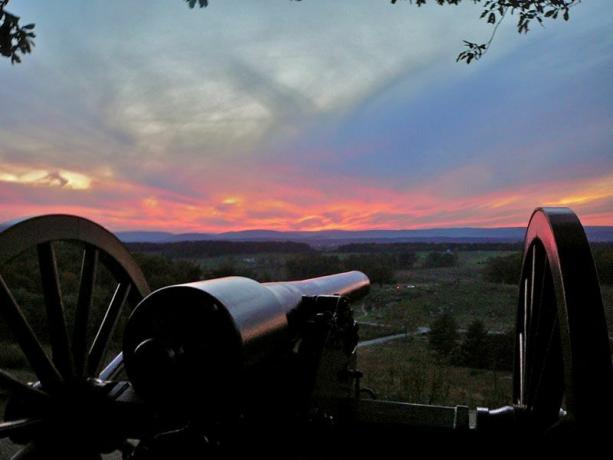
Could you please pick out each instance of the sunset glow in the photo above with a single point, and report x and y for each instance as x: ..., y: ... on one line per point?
x: 303, y: 117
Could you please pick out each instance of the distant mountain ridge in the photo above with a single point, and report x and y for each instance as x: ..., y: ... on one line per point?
x: 336, y: 237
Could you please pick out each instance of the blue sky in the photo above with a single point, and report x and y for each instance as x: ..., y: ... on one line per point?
x: 304, y: 115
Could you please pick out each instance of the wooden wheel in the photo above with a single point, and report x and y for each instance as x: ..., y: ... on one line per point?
x: 74, y: 374
x: 562, y: 371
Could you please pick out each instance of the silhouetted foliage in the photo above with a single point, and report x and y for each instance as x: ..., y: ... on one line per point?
x: 503, y: 269
x: 201, y: 249
x: 427, y: 246
x: 15, y: 39
x: 440, y: 259
x: 201, y: 3
x: 494, y: 12
x: 309, y: 266
x: 161, y: 271
x: 480, y: 349
x: 22, y: 275
x: 603, y: 258
x: 473, y: 350
x: 506, y: 269
x: 443, y: 335
x: 500, y: 349
x: 406, y: 260
x: 379, y: 268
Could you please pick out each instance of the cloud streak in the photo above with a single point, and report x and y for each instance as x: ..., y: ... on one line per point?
x: 304, y: 116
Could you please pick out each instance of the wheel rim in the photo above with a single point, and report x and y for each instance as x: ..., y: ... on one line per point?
x: 562, y: 357
x: 76, y: 361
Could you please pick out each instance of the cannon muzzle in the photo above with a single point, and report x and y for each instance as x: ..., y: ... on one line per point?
x: 196, y: 342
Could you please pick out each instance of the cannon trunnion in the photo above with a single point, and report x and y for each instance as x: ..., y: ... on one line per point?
x: 231, y: 367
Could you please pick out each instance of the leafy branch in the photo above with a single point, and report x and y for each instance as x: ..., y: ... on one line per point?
x: 527, y: 11
x: 14, y: 39
x: 201, y: 3
x: 494, y: 12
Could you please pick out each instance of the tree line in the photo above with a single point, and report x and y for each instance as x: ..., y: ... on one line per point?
x: 476, y: 348
x: 373, y: 247
x: 201, y: 249
x: 507, y: 268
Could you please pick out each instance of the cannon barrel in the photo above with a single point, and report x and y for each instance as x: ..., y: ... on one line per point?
x: 201, y: 338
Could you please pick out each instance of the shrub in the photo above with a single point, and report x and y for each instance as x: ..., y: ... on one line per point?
x: 503, y: 269
x: 443, y: 336
x: 440, y: 259
x: 603, y: 258
x: 473, y: 350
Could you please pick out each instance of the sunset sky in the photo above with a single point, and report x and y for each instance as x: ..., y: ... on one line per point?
x: 304, y: 115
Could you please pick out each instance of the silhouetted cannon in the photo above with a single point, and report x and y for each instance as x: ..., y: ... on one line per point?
x: 230, y: 366
x: 211, y: 337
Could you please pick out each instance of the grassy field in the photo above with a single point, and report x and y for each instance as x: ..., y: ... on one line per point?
x: 420, y: 295
x: 405, y: 370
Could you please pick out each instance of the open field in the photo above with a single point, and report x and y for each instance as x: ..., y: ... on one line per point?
x: 405, y: 370
x: 421, y: 294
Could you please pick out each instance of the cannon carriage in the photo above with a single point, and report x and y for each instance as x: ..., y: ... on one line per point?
x: 229, y: 367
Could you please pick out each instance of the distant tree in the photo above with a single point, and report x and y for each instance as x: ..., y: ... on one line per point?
x: 603, y: 258
x: 474, y: 350
x: 378, y: 267
x: 15, y: 39
x: 380, y: 273
x: 161, y: 271
x: 228, y: 268
x: 443, y: 336
x: 205, y: 249
x: 500, y: 348
x: 438, y: 259
x: 406, y: 260
x: 309, y: 266
x: 503, y: 269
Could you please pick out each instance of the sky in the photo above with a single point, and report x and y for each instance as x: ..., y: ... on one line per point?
x: 312, y: 115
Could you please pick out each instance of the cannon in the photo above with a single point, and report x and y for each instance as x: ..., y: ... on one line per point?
x: 230, y: 367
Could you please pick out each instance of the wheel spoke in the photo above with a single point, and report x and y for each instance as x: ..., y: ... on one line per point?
x: 540, y: 314
x: 549, y: 345
x: 16, y: 427
x: 532, y: 279
x: 546, y: 375
x: 84, y: 303
x: 549, y: 388
x: 520, y: 354
x: 98, y: 349
x: 42, y: 366
x: 113, y: 369
x: 58, y: 334
x: 523, y: 343
x: 14, y: 386
x: 540, y: 292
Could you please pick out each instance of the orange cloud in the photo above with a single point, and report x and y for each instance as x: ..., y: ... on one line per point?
x: 286, y: 202
x: 44, y: 177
